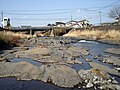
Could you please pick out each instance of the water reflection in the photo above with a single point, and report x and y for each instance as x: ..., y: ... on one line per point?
x: 13, y: 84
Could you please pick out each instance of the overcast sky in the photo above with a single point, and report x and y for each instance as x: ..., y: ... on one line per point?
x: 42, y: 12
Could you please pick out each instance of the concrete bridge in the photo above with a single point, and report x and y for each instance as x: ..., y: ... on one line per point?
x: 31, y: 30
x: 53, y: 31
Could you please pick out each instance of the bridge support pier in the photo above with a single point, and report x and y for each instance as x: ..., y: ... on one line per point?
x: 31, y: 32
x: 52, y: 32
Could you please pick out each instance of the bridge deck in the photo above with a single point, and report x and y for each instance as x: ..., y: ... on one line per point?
x: 31, y: 28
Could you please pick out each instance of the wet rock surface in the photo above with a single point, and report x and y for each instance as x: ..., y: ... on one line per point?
x: 113, y: 51
x: 104, y: 68
x: 112, y: 60
x: 59, y: 61
x: 60, y: 75
x: 94, y: 77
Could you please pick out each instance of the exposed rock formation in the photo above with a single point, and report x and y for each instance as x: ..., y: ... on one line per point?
x: 112, y: 60
x: 104, y: 68
x: 113, y: 50
x: 60, y: 75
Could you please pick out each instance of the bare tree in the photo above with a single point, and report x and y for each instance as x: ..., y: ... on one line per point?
x: 115, y: 13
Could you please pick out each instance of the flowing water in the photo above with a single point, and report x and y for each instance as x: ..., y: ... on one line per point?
x: 13, y: 84
x: 95, y: 49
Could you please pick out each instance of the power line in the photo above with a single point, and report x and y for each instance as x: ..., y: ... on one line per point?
x: 43, y: 10
x: 111, y: 5
x: 59, y: 18
x: 41, y: 13
x: 100, y: 16
x: 88, y: 9
x: 39, y: 18
x: 56, y: 11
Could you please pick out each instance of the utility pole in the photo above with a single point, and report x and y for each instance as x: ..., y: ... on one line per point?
x: 2, y: 18
x: 71, y: 17
x: 100, y: 16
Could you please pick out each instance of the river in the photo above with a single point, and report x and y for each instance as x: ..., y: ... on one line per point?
x: 95, y: 48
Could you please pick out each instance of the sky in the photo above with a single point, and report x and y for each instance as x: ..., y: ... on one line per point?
x: 43, y: 12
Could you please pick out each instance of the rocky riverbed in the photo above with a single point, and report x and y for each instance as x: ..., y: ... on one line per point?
x: 65, y: 62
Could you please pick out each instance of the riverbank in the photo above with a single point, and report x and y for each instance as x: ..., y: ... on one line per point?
x: 108, y: 36
x: 10, y: 39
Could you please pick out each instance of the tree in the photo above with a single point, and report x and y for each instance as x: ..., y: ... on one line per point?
x: 115, y: 13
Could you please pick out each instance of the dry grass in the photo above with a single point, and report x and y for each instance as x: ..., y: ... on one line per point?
x: 8, y: 33
x: 58, y: 31
x: 97, y: 72
x: 11, y: 39
x: 96, y: 34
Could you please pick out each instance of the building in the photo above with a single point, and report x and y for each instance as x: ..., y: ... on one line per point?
x: 78, y: 24
x: 72, y: 24
x: 60, y: 24
x: 5, y: 22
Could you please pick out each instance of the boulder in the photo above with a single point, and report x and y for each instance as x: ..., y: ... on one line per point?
x: 94, y: 77
x: 74, y: 62
x: 89, y: 85
x: 110, y: 87
x: 60, y: 75
x: 104, y: 68
x: 37, y: 50
x: 31, y: 53
x: 21, y: 70
x: 83, y: 51
x: 113, y: 60
x: 113, y: 51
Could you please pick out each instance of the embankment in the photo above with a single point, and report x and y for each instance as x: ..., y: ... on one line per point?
x: 106, y: 36
x: 10, y: 39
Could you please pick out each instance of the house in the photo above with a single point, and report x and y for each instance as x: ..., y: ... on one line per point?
x: 78, y: 24
x: 60, y: 24
x: 72, y: 24
x: 106, y: 24
x: 51, y: 25
x: 118, y: 21
x: 5, y: 22
x: 111, y: 23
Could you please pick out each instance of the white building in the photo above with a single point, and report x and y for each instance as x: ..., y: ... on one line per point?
x: 5, y: 22
x: 60, y: 24
x: 72, y: 24
x: 77, y: 24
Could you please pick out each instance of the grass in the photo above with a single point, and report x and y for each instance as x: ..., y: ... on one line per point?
x: 113, y: 35
x: 8, y: 33
x: 97, y: 72
x: 10, y: 39
x: 58, y: 31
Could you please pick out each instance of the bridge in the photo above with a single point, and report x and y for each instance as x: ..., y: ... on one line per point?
x: 31, y: 30
x: 54, y: 31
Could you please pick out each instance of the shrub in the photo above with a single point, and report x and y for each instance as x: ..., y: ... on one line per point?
x: 98, y: 34
x: 8, y: 40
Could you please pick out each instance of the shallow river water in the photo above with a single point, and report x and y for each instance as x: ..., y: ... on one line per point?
x: 96, y: 48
